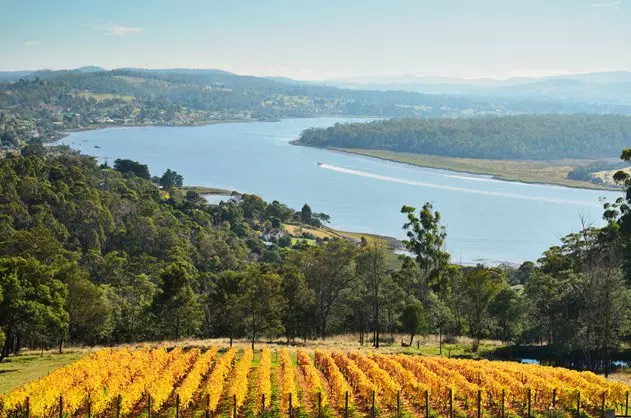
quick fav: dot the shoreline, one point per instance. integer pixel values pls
(495, 176)
(66, 132)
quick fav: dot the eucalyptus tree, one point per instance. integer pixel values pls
(426, 240)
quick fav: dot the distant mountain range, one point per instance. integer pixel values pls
(610, 87)
(598, 88)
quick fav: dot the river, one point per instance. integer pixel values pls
(487, 220)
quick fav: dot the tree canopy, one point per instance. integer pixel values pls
(535, 137)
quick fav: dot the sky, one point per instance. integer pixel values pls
(322, 39)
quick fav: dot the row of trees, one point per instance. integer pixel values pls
(93, 255)
(536, 137)
(169, 180)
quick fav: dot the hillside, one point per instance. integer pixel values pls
(42, 104)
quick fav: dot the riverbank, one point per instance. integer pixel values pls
(552, 172)
(96, 127)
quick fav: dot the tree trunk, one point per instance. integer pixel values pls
(440, 341)
(377, 323)
(5, 350)
(411, 339)
(476, 344)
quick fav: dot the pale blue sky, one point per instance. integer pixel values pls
(321, 38)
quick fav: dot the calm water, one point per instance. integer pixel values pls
(487, 220)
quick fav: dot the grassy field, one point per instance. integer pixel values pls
(104, 97)
(326, 232)
(206, 190)
(549, 172)
(17, 370)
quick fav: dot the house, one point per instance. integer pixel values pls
(273, 234)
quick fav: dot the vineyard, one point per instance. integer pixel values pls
(205, 382)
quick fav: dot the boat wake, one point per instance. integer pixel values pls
(454, 188)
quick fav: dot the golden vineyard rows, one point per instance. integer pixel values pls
(211, 382)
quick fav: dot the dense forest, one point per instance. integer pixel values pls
(91, 254)
(535, 137)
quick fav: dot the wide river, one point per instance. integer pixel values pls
(487, 220)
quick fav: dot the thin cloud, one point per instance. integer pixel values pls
(607, 4)
(113, 29)
(31, 43)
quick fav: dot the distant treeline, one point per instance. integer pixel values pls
(536, 137)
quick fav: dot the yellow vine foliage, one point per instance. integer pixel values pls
(239, 387)
(263, 380)
(410, 386)
(132, 387)
(161, 388)
(362, 385)
(287, 381)
(193, 380)
(214, 386)
(338, 385)
(312, 378)
(110, 376)
(386, 386)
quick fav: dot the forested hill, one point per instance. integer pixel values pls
(44, 103)
(94, 254)
(537, 137)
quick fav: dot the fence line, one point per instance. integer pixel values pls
(25, 411)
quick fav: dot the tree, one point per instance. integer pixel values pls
(306, 214)
(87, 305)
(284, 241)
(507, 311)
(33, 303)
(371, 268)
(330, 271)
(176, 306)
(607, 306)
(262, 302)
(224, 304)
(413, 319)
(480, 286)
(132, 167)
(439, 317)
(426, 240)
(299, 298)
(523, 273)
(36, 149)
(171, 179)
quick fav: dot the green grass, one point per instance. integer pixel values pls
(206, 190)
(18, 370)
(549, 172)
(295, 241)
